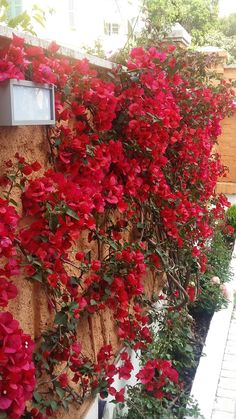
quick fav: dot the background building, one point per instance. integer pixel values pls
(77, 23)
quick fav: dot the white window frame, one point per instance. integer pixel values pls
(111, 28)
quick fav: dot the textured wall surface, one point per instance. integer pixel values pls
(227, 144)
(30, 307)
(30, 142)
(227, 150)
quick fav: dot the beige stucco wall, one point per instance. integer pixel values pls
(30, 307)
(227, 143)
(31, 143)
(227, 150)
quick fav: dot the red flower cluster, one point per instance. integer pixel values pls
(8, 291)
(228, 230)
(156, 374)
(120, 281)
(8, 224)
(17, 369)
(9, 266)
(63, 211)
(106, 369)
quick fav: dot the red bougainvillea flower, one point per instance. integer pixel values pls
(147, 373)
(155, 375)
(63, 380)
(124, 371)
(8, 291)
(10, 264)
(35, 413)
(228, 230)
(191, 290)
(119, 395)
(8, 223)
(17, 380)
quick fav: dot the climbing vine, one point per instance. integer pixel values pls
(133, 168)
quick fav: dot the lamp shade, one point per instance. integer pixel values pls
(26, 103)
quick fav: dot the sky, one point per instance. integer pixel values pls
(227, 7)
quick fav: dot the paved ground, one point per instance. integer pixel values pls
(225, 401)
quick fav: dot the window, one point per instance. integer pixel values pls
(114, 28)
(72, 14)
(15, 8)
(111, 28)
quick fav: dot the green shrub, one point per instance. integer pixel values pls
(142, 406)
(210, 299)
(212, 295)
(174, 340)
(218, 258)
(231, 216)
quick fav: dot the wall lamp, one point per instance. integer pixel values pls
(24, 102)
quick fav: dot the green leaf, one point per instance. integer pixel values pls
(61, 393)
(72, 324)
(65, 404)
(48, 206)
(12, 201)
(108, 279)
(93, 302)
(73, 305)
(37, 277)
(57, 142)
(140, 225)
(37, 397)
(66, 90)
(43, 239)
(20, 186)
(37, 263)
(107, 291)
(188, 348)
(61, 318)
(155, 118)
(74, 281)
(53, 222)
(38, 18)
(54, 405)
(71, 213)
(113, 245)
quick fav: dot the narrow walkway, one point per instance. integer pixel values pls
(225, 401)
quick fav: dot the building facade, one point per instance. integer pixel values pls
(76, 23)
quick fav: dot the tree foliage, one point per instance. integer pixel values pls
(23, 21)
(228, 25)
(218, 39)
(198, 17)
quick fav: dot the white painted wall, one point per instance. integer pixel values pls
(231, 198)
(90, 16)
(109, 411)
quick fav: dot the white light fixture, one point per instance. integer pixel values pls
(26, 103)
